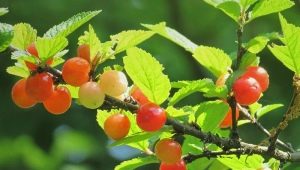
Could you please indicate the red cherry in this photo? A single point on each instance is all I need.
(138, 96)
(19, 95)
(76, 71)
(117, 126)
(227, 122)
(177, 166)
(151, 117)
(260, 74)
(83, 51)
(39, 86)
(168, 151)
(246, 90)
(59, 102)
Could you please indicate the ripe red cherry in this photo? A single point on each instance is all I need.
(177, 166)
(246, 90)
(138, 96)
(227, 122)
(59, 102)
(39, 86)
(76, 71)
(117, 126)
(19, 95)
(33, 51)
(83, 51)
(168, 151)
(151, 117)
(260, 74)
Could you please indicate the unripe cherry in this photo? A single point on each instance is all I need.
(151, 117)
(227, 121)
(168, 151)
(19, 95)
(177, 166)
(91, 95)
(59, 102)
(138, 95)
(39, 86)
(246, 90)
(113, 83)
(260, 74)
(117, 126)
(83, 51)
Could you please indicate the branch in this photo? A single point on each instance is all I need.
(226, 144)
(263, 129)
(292, 112)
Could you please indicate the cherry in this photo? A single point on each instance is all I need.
(168, 151)
(83, 51)
(177, 166)
(246, 90)
(91, 95)
(117, 126)
(138, 95)
(227, 121)
(151, 117)
(19, 95)
(33, 51)
(76, 71)
(113, 83)
(260, 74)
(59, 102)
(39, 86)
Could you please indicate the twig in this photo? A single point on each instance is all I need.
(291, 113)
(263, 129)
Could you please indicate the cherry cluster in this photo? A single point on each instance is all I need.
(247, 89)
(40, 88)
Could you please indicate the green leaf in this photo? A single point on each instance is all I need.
(258, 43)
(172, 35)
(146, 73)
(247, 3)
(141, 143)
(57, 58)
(249, 59)
(266, 109)
(73, 90)
(231, 8)
(131, 38)
(67, 27)
(23, 55)
(253, 108)
(205, 86)
(179, 112)
(18, 71)
(288, 53)
(265, 7)
(90, 38)
(213, 59)
(210, 114)
(136, 162)
(3, 11)
(49, 47)
(135, 138)
(274, 164)
(24, 35)
(245, 162)
(6, 35)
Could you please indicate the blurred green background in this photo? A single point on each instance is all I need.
(34, 139)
